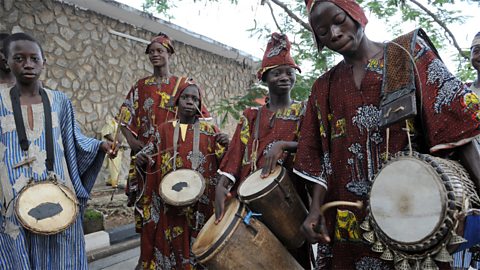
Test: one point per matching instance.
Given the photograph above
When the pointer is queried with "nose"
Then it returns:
(29, 63)
(336, 32)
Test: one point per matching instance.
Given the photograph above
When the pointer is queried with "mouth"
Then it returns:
(29, 75)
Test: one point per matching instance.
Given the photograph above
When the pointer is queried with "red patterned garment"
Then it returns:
(169, 231)
(148, 106)
(280, 126)
(341, 145)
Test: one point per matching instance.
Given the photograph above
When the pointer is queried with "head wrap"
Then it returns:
(164, 40)
(277, 54)
(184, 83)
(350, 7)
(476, 40)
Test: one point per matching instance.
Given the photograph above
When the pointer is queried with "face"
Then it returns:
(280, 80)
(189, 101)
(158, 55)
(475, 57)
(3, 62)
(335, 29)
(25, 60)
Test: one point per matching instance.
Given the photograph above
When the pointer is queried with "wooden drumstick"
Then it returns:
(323, 208)
(117, 130)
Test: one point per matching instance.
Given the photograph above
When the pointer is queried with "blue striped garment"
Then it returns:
(76, 158)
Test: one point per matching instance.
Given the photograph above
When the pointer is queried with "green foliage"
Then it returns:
(92, 214)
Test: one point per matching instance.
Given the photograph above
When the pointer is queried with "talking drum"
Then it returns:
(276, 199)
(240, 242)
(182, 187)
(46, 207)
(412, 207)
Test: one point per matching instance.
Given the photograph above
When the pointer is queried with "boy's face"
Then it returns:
(189, 101)
(25, 60)
(158, 55)
(475, 57)
(280, 80)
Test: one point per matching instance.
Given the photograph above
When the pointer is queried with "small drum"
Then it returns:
(413, 201)
(46, 207)
(240, 242)
(182, 187)
(277, 200)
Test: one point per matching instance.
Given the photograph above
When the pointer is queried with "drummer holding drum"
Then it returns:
(180, 186)
(265, 137)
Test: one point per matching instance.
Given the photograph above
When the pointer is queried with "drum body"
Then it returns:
(46, 207)
(182, 187)
(233, 244)
(277, 200)
(412, 206)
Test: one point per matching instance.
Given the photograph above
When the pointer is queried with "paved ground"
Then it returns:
(126, 260)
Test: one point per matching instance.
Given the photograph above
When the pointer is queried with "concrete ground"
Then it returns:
(125, 260)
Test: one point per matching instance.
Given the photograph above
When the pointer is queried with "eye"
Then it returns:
(340, 18)
(35, 59)
(18, 58)
(322, 31)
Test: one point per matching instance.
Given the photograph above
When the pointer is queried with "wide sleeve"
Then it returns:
(237, 152)
(84, 160)
(308, 161)
(130, 118)
(450, 112)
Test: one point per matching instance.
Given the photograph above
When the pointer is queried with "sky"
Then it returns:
(228, 23)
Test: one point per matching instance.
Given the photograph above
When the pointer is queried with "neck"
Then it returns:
(365, 51)
(186, 119)
(161, 72)
(7, 77)
(29, 90)
(476, 83)
(279, 101)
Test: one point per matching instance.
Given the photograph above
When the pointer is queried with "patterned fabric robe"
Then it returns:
(342, 146)
(77, 163)
(280, 126)
(168, 231)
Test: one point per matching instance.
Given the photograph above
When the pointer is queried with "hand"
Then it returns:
(107, 147)
(141, 160)
(274, 154)
(221, 196)
(314, 228)
(222, 139)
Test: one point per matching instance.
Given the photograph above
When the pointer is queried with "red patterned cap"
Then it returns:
(277, 54)
(164, 40)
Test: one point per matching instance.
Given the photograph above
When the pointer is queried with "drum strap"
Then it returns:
(256, 135)
(195, 159)
(19, 124)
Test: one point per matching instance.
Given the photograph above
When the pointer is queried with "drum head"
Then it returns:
(255, 185)
(182, 187)
(407, 200)
(46, 208)
(212, 235)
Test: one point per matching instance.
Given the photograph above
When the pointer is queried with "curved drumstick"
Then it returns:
(323, 208)
(120, 122)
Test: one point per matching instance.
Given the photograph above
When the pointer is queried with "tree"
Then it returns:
(290, 16)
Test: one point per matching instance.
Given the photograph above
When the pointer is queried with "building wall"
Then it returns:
(96, 68)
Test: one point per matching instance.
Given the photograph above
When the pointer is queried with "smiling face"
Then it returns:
(158, 55)
(335, 29)
(475, 57)
(188, 102)
(280, 80)
(25, 60)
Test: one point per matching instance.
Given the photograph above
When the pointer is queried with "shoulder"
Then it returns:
(207, 127)
(57, 96)
(251, 112)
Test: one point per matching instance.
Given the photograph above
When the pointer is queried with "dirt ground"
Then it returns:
(116, 212)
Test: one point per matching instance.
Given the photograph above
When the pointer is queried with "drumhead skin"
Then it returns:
(407, 200)
(209, 238)
(46, 207)
(254, 185)
(182, 187)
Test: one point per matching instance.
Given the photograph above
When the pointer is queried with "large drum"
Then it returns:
(182, 187)
(46, 207)
(277, 200)
(240, 242)
(412, 207)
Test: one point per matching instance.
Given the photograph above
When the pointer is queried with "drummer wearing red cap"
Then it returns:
(348, 131)
(276, 132)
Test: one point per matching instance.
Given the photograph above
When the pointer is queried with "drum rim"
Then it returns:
(227, 233)
(189, 202)
(65, 189)
(431, 240)
(265, 191)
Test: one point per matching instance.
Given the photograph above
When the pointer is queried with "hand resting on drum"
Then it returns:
(221, 196)
(274, 154)
(314, 228)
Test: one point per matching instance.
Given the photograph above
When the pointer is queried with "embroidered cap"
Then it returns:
(277, 54)
(163, 39)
